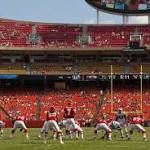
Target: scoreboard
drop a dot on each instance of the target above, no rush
(136, 7)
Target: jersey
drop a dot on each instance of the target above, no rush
(99, 121)
(51, 116)
(137, 120)
(19, 118)
(121, 117)
(69, 112)
(114, 125)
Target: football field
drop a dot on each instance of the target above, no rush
(19, 143)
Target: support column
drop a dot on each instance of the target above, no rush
(125, 19)
(45, 81)
(97, 16)
(148, 19)
(141, 87)
(111, 87)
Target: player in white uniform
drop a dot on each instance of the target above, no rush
(19, 123)
(103, 125)
(122, 119)
(115, 126)
(52, 124)
(136, 124)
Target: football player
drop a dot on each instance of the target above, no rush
(69, 115)
(52, 124)
(103, 125)
(2, 124)
(19, 122)
(122, 119)
(136, 123)
(115, 126)
(70, 129)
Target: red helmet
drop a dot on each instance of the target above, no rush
(52, 109)
(69, 104)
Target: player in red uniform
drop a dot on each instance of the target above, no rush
(136, 124)
(69, 115)
(51, 123)
(19, 122)
(1, 126)
(78, 131)
(70, 130)
(103, 125)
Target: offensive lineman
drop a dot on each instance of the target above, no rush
(103, 125)
(2, 124)
(136, 124)
(19, 123)
(78, 131)
(52, 124)
(70, 130)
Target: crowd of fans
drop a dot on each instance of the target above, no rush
(17, 100)
(31, 102)
(26, 34)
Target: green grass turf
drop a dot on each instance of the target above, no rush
(19, 143)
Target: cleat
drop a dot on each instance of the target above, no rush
(145, 140)
(27, 137)
(129, 138)
(61, 142)
(109, 139)
(11, 136)
(39, 136)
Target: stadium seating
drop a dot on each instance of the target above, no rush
(87, 68)
(84, 68)
(10, 68)
(16, 34)
(49, 68)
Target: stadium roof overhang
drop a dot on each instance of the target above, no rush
(72, 51)
(82, 51)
